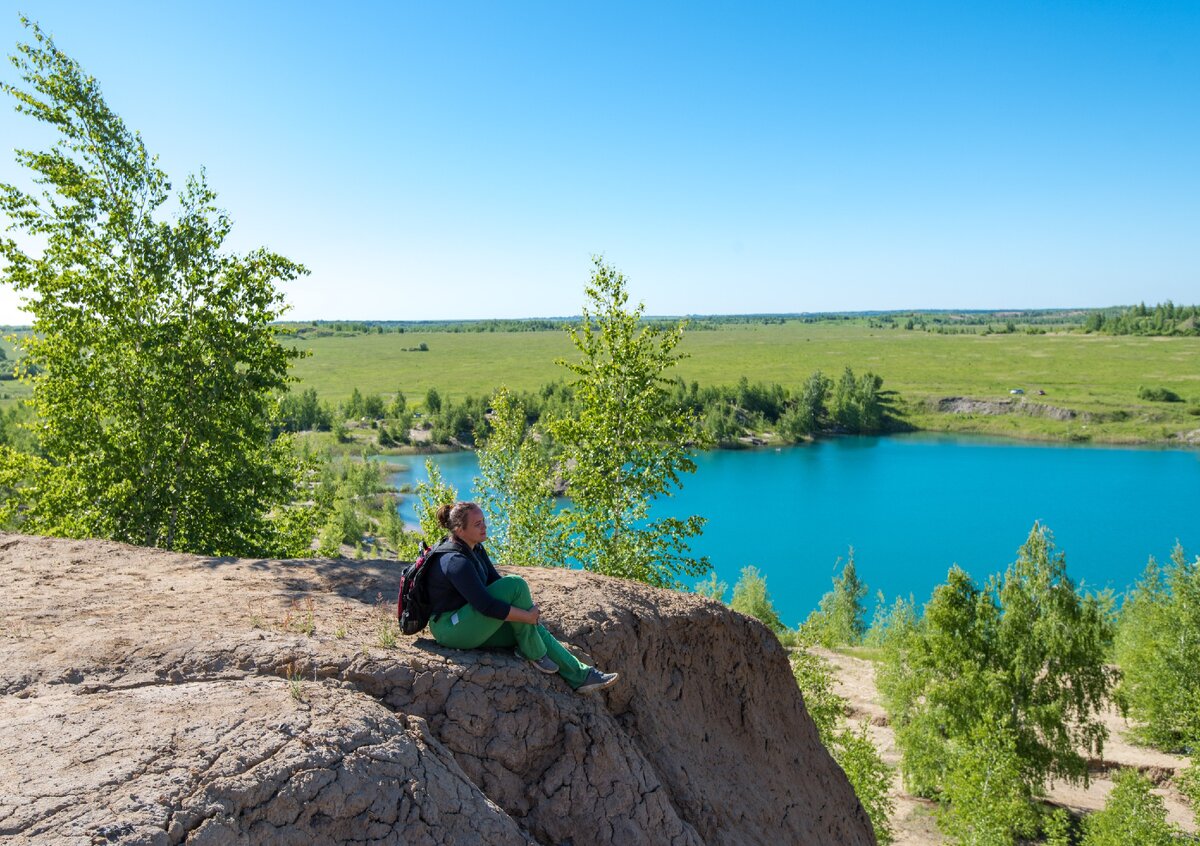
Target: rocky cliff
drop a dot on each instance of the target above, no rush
(152, 697)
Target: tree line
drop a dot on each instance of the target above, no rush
(1164, 319)
(728, 415)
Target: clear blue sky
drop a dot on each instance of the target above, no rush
(439, 160)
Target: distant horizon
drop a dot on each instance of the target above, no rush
(687, 316)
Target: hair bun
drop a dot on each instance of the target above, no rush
(443, 516)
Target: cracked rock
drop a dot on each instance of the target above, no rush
(149, 697)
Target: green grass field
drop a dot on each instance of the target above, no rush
(1095, 374)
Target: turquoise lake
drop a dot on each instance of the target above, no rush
(913, 505)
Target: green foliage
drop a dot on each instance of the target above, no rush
(1165, 319)
(301, 412)
(350, 495)
(457, 422)
(1057, 828)
(890, 625)
(329, 540)
(1158, 650)
(1025, 656)
(808, 413)
(851, 748)
(750, 598)
(839, 618)
(623, 443)
(391, 527)
(712, 588)
(1132, 814)
(1158, 394)
(153, 360)
(348, 522)
(988, 796)
(729, 413)
(433, 401)
(722, 424)
(815, 678)
(1188, 782)
(869, 775)
(857, 405)
(353, 407)
(373, 408)
(432, 494)
(518, 495)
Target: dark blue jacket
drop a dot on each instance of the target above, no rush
(460, 577)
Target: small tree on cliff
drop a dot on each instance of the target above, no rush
(153, 360)
(750, 597)
(625, 443)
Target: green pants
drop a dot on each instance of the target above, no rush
(466, 628)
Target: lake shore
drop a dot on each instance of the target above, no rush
(1008, 425)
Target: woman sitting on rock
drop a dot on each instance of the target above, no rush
(472, 605)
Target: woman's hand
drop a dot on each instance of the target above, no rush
(520, 615)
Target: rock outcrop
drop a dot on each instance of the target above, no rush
(966, 405)
(157, 698)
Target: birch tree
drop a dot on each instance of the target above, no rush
(153, 360)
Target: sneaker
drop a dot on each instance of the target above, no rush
(544, 663)
(597, 680)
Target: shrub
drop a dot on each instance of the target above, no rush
(1057, 829)
(1158, 650)
(431, 494)
(988, 796)
(1158, 394)
(750, 598)
(1132, 814)
(329, 541)
(838, 620)
(1188, 783)
(852, 748)
(712, 588)
(869, 775)
(372, 406)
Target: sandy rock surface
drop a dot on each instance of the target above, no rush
(151, 697)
